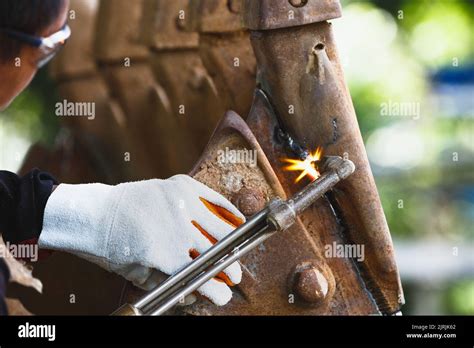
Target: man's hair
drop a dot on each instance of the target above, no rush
(27, 16)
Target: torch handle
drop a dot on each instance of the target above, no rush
(198, 265)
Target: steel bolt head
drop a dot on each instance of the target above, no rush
(311, 285)
(235, 6)
(180, 23)
(298, 3)
(249, 201)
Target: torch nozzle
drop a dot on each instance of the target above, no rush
(283, 213)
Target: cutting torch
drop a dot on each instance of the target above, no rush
(277, 216)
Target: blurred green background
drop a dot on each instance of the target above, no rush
(419, 54)
(397, 53)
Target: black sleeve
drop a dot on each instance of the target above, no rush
(4, 277)
(22, 204)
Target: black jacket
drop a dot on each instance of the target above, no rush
(22, 204)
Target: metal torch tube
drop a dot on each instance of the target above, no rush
(283, 215)
(237, 253)
(200, 263)
(339, 169)
(303, 199)
(235, 243)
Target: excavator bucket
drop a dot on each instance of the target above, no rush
(301, 103)
(162, 73)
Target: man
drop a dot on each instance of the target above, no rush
(134, 229)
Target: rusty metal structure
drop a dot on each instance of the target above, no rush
(163, 73)
(188, 97)
(279, 215)
(299, 70)
(302, 102)
(141, 67)
(225, 50)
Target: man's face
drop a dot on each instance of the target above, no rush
(17, 74)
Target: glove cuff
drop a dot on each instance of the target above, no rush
(78, 219)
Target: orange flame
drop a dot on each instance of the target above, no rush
(308, 166)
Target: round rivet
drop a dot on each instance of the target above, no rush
(234, 6)
(180, 23)
(249, 201)
(310, 285)
(298, 3)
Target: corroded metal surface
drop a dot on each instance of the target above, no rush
(225, 50)
(270, 14)
(269, 271)
(194, 107)
(118, 37)
(215, 16)
(299, 70)
(164, 23)
(302, 93)
(186, 57)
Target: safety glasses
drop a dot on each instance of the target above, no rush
(48, 46)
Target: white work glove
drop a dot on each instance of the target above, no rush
(136, 228)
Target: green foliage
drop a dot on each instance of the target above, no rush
(32, 112)
(423, 168)
(460, 298)
(440, 31)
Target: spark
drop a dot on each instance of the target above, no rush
(307, 167)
